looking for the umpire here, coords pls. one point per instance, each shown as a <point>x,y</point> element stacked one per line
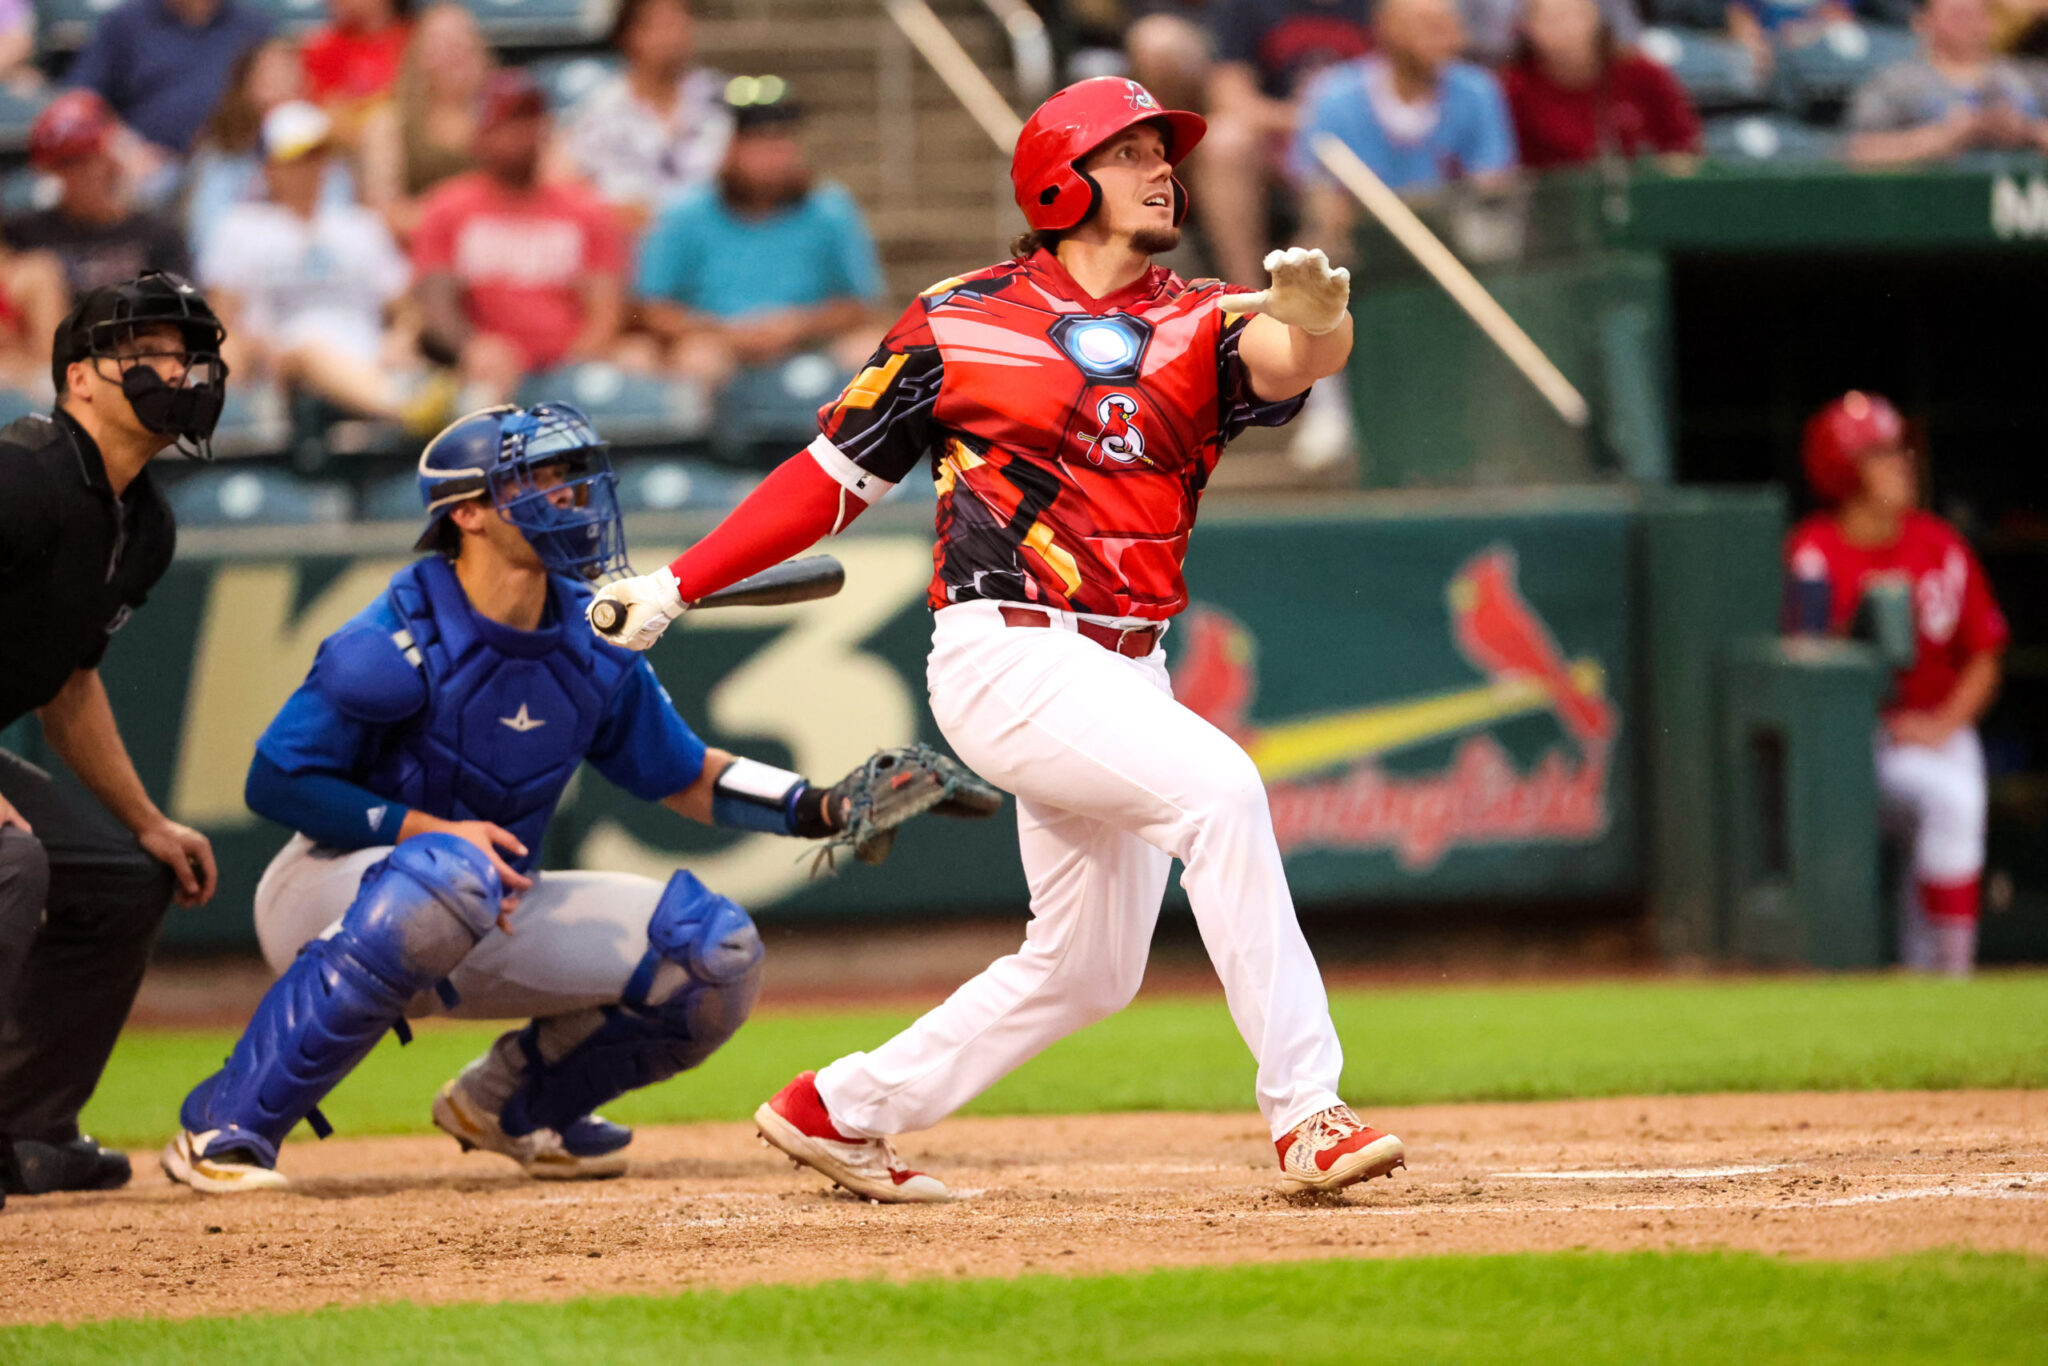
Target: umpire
<point>84,535</point>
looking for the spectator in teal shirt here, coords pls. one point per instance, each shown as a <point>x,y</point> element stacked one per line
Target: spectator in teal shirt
<point>765,264</point>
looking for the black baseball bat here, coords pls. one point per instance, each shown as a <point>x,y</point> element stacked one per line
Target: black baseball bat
<point>814,576</point>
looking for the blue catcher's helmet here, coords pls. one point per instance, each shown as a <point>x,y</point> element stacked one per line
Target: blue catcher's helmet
<point>545,470</point>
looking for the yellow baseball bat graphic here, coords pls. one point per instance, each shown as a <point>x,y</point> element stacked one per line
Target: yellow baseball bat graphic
<point>1293,749</point>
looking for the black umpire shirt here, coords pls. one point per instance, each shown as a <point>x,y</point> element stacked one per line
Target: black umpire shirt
<point>74,559</point>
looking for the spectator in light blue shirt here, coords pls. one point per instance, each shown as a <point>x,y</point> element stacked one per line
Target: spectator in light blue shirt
<point>162,64</point>
<point>1411,111</point>
<point>1421,119</point>
<point>764,264</point>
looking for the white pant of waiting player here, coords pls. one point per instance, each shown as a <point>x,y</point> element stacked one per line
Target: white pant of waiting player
<point>1114,780</point>
<point>577,937</point>
<point>1935,797</point>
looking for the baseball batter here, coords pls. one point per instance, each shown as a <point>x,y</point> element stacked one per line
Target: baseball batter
<point>420,763</point>
<point>1930,766</point>
<point>1071,404</point>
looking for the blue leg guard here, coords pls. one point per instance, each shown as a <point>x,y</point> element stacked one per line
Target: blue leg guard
<point>416,915</point>
<point>690,993</point>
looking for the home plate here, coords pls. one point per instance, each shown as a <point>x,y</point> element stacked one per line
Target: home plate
<point>1638,1173</point>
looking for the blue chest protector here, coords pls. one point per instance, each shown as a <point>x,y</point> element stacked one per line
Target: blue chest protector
<point>422,702</point>
<point>508,714</point>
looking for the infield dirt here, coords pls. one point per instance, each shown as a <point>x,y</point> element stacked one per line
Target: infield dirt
<point>409,1218</point>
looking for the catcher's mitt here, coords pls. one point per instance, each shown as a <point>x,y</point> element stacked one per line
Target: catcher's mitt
<point>890,788</point>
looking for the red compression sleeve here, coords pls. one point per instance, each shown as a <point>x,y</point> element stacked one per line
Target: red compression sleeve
<point>794,508</point>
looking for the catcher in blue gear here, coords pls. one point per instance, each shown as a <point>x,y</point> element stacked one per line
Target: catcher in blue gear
<point>419,764</point>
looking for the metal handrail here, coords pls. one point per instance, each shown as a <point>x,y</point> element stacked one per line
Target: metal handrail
<point>968,82</point>
<point>1030,47</point>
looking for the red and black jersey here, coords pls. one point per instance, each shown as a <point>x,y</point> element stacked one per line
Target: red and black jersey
<point>1070,436</point>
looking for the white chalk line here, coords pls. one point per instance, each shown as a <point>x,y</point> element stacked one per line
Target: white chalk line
<point>1639,1173</point>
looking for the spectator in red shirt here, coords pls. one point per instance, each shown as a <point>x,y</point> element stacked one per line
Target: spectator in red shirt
<point>1577,94</point>
<point>515,275</point>
<point>352,60</point>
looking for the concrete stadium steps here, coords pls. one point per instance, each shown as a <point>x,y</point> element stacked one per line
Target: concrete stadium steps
<point>935,189</point>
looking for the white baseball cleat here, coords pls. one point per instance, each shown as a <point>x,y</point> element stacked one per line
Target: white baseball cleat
<point>1334,1149</point>
<point>186,1160</point>
<point>796,1122</point>
<point>544,1154</point>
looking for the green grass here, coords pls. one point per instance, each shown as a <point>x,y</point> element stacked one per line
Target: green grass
<point>1572,1309</point>
<point>1403,1046</point>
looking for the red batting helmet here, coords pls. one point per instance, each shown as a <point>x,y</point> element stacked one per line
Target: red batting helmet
<point>71,127</point>
<point>1073,123</point>
<point>1840,435</point>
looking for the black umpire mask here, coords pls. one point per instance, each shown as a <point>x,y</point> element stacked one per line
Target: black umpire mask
<point>188,411</point>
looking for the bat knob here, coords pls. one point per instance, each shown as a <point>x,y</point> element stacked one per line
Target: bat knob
<point>607,616</point>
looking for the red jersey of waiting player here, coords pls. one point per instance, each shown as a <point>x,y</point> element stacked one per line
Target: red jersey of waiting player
<point>1070,436</point>
<point>1954,613</point>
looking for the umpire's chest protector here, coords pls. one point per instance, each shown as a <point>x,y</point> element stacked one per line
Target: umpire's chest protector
<point>509,714</point>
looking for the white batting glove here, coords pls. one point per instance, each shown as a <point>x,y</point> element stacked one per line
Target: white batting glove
<point>1305,292</point>
<point>643,605</point>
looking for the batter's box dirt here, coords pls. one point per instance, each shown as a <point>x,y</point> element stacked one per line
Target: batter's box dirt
<point>373,1219</point>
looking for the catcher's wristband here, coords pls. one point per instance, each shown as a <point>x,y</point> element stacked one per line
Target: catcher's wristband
<point>751,795</point>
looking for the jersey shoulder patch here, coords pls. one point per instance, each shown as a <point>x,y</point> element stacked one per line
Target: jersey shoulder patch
<point>371,674</point>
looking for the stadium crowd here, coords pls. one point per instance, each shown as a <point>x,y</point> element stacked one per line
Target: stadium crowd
<point>399,223</point>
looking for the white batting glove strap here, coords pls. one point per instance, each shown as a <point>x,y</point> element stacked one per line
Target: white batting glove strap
<point>651,602</point>
<point>1305,293</point>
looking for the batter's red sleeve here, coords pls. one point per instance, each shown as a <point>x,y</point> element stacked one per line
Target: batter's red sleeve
<point>794,508</point>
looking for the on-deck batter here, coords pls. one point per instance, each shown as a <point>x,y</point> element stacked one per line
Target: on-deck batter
<point>1930,766</point>
<point>1071,404</point>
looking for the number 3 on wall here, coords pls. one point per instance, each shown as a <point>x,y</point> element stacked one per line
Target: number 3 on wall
<point>813,688</point>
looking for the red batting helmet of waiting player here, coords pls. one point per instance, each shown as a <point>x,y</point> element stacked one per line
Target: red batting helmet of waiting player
<point>1052,193</point>
<point>1840,435</point>
<point>71,127</point>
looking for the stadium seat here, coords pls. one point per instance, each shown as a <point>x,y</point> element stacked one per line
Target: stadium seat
<point>65,24</point>
<point>1717,72</point>
<point>18,110</point>
<point>392,499</point>
<point>15,404</point>
<point>1816,79</point>
<point>542,23</point>
<point>672,485</point>
<point>254,497</point>
<point>630,409</point>
<point>254,420</point>
<point>25,191</point>
<point>292,16</point>
<point>569,79</point>
<point>768,411</point>
<point>1759,138</point>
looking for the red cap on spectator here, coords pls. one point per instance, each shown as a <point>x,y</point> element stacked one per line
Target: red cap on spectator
<point>71,127</point>
<point>1074,122</point>
<point>510,93</point>
<point>1840,435</point>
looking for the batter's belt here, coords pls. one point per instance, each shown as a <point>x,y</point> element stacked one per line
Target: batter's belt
<point>1132,642</point>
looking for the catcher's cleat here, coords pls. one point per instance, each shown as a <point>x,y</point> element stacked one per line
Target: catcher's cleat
<point>796,1122</point>
<point>591,1149</point>
<point>206,1163</point>
<point>1334,1149</point>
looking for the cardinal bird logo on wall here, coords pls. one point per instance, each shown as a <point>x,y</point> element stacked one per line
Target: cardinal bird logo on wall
<point>1324,779</point>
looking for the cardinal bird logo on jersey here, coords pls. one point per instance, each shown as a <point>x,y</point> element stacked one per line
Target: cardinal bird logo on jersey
<point>1118,440</point>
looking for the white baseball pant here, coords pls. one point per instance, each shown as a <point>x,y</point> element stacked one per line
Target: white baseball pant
<point>1935,797</point>
<point>577,937</point>
<point>1114,780</point>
